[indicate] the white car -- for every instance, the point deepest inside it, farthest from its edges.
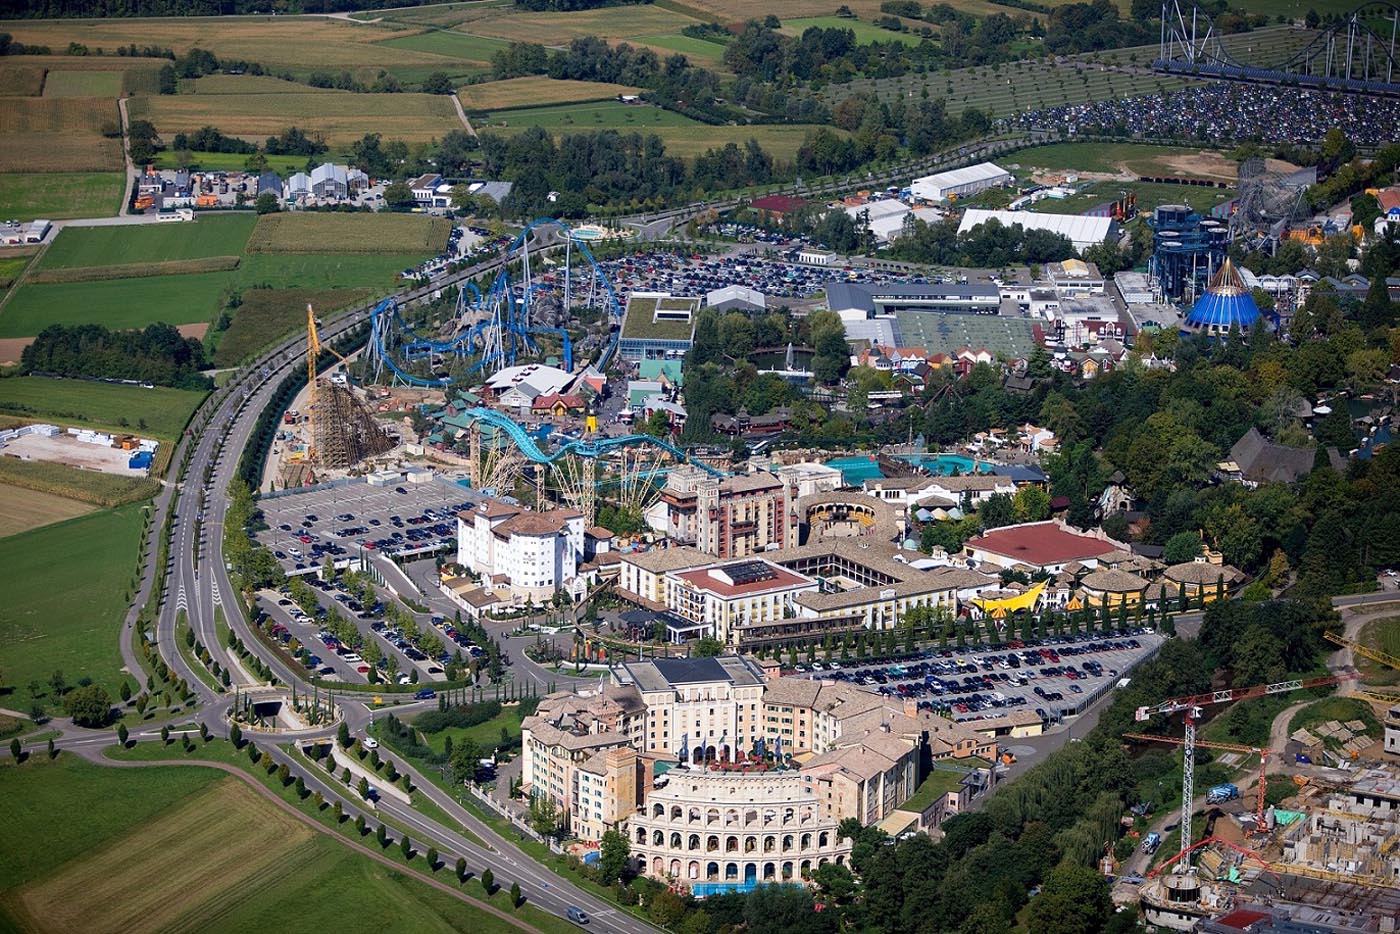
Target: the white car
(369, 742)
(353, 659)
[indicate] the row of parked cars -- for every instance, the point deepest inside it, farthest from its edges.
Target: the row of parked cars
(969, 684)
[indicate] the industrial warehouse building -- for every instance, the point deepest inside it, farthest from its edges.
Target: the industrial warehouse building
(959, 183)
(1083, 231)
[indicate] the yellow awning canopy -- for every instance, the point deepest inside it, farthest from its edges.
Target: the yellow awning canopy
(1000, 606)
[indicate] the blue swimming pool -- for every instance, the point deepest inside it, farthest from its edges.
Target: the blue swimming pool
(944, 464)
(856, 470)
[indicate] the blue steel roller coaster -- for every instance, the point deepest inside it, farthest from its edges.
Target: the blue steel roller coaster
(500, 326)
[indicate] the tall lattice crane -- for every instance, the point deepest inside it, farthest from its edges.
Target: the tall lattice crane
(1191, 706)
(1260, 751)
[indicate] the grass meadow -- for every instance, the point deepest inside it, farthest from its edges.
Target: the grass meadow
(267, 314)
(27, 195)
(83, 83)
(452, 44)
(210, 235)
(865, 33)
(116, 303)
(66, 594)
(104, 406)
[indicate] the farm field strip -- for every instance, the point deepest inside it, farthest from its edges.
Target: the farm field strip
(689, 140)
(203, 847)
(83, 83)
(450, 44)
(601, 115)
(299, 44)
(116, 303)
(348, 233)
(865, 33)
(56, 195)
(210, 235)
(621, 22)
(341, 118)
(22, 509)
(710, 54)
(535, 91)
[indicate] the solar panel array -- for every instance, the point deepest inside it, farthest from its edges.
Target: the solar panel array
(750, 572)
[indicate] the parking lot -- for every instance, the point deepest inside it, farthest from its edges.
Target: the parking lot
(779, 277)
(345, 519)
(1055, 677)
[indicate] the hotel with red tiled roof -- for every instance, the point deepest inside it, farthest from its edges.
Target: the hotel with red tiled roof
(1046, 546)
(731, 595)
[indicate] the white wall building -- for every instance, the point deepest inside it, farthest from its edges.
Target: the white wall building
(536, 553)
(959, 183)
(1083, 231)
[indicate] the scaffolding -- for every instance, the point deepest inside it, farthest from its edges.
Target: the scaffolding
(345, 431)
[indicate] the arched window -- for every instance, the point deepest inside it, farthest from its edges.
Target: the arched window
(676, 812)
(822, 840)
(694, 842)
(642, 834)
(806, 841)
(731, 844)
(711, 844)
(675, 840)
(750, 844)
(770, 844)
(787, 843)
(658, 810)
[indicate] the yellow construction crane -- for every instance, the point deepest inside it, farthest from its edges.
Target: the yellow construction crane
(1375, 655)
(313, 351)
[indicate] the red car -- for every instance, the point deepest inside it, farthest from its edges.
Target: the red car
(363, 669)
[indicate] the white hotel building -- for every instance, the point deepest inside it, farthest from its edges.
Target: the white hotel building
(535, 553)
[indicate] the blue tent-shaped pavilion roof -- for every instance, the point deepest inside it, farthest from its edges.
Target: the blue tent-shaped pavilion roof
(1225, 304)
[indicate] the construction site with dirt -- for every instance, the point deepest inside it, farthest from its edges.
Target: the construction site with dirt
(1312, 847)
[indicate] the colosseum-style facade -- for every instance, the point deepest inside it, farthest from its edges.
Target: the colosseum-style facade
(733, 828)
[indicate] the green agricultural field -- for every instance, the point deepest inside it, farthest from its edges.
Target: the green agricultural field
(59, 195)
(683, 137)
(231, 162)
(246, 84)
(701, 51)
(306, 232)
(66, 593)
(10, 268)
(100, 805)
(600, 115)
(866, 33)
(267, 314)
(83, 84)
(210, 235)
(452, 44)
(325, 270)
(121, 303)
(104, 406)
(228, 860)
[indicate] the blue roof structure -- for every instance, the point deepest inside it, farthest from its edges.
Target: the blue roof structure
(1225, 304)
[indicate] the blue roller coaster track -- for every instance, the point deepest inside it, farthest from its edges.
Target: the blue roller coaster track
(597, 447)
(507, 332)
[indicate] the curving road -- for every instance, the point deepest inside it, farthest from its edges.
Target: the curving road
(197, 582)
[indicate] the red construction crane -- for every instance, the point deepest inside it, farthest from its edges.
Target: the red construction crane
(1192, 707)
